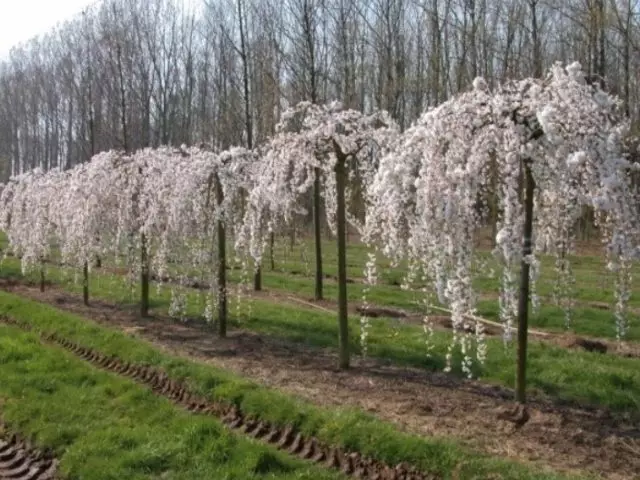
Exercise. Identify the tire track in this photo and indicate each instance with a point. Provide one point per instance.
(20, 462)
(287, 438)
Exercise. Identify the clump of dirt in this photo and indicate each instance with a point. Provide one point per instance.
(577, 342)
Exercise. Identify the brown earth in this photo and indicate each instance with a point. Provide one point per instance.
(564, 438)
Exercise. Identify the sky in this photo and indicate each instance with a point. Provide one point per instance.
(21, 20)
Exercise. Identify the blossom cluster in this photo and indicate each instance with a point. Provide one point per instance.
(431, 193)
(307, 142)
(105, 207)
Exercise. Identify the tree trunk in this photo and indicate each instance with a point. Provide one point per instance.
(257, 278)
(343, 319)
(317, 232)
(523, 304)
(144, 277)
(272, 241)
(222, 263)
(85, 283)
(42, 281)
(248, 121)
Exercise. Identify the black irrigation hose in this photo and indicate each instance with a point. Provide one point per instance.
(284, 438)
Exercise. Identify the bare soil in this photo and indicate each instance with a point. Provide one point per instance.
(576, 439)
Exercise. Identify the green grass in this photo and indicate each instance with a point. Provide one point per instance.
(94, 416)
(565, 375)
(105, 427)
(573, 376)
(586, 321)
(593, 284)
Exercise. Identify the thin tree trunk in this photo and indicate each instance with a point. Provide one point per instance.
(523, 304)
(222, 263)
(42, 280)
(85, 283)
(144, 277)
(602, 64)
(123, 101)
(92, 143)
(343, 319)
(537, 50)
(317, 230)
(257, 278)
(272, 241)
(248, 121)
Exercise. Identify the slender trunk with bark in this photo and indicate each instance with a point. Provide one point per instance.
(317, 230)
(272, 242)
(85, 283)
(248, 121)
(341, 220)
(42, 279)
(222, 264)
(92, 144)
(523, 303)
(144, 277)
(123, 101)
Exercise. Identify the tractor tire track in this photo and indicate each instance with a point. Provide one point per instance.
(286, 438)
(20, 462)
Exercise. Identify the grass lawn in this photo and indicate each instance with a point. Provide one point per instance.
(103, 426)
(111, 426)
(569, 375)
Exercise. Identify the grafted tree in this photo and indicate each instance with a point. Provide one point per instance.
(565, 135)
(333, 141)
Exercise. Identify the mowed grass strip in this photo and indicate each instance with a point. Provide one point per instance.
(102, 426)
(572, 376)
(348, 428)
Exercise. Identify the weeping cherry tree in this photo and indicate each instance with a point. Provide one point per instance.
(556, 146)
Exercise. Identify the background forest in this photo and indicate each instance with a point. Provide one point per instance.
(127, 74)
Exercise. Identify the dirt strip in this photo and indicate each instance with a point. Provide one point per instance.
(18, 461)
(569, 438)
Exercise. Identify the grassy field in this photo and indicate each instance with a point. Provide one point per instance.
(594, 284)
(106, 427)
(132, 434)
(568, 375)
(103, 426)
